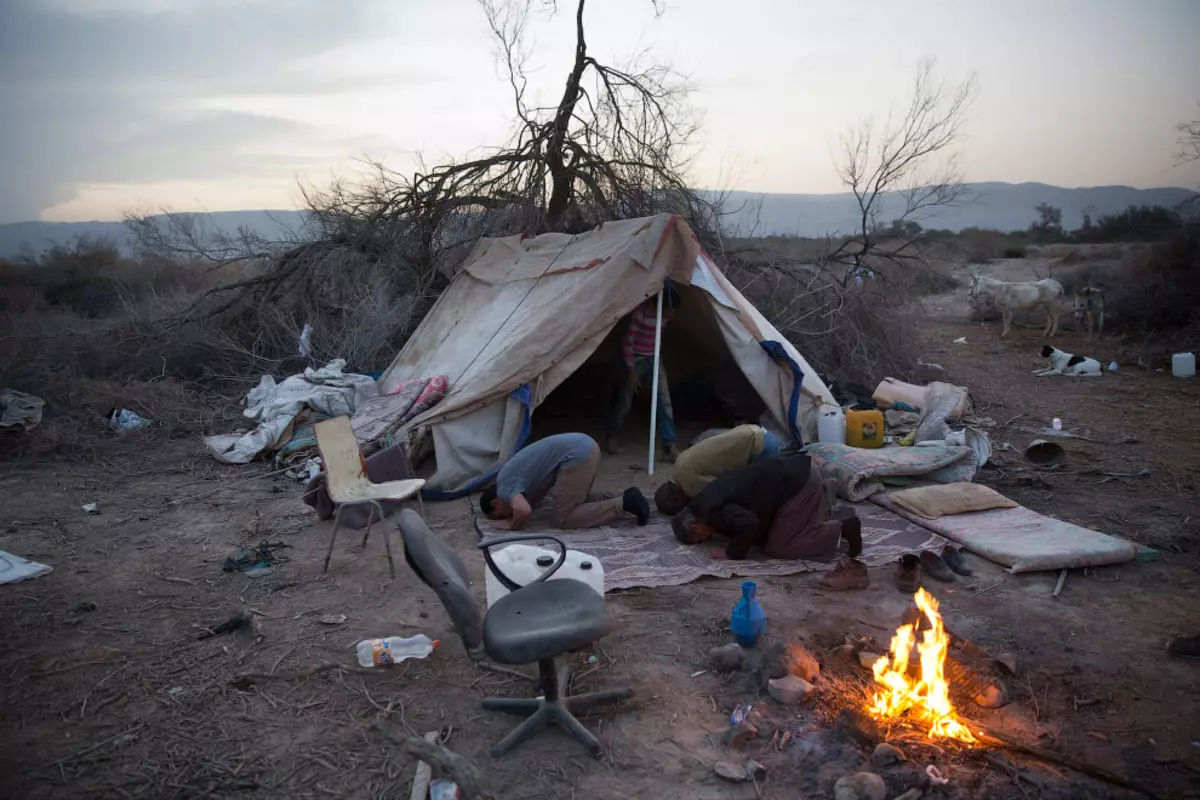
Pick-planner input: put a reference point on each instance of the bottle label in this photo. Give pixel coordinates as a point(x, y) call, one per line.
point(382, 653)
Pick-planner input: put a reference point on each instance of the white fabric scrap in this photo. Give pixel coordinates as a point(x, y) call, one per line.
point(327, 390)
point(14, 569)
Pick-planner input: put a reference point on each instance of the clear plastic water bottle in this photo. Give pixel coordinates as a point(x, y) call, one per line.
point(1056, 424)
point(394, 649)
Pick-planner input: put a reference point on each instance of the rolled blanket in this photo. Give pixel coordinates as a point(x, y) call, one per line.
point(861, 473)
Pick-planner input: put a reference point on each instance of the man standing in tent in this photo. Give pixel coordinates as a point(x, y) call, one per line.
point(566, 463)
point(637, 353)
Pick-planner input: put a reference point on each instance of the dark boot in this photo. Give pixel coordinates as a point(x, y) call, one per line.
point(611, 447)
point(908, 574)
point(634, 502)
point(669, 453)
point(935, 567)
point(955, 561)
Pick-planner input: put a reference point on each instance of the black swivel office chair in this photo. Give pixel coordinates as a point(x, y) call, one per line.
point(534, 623)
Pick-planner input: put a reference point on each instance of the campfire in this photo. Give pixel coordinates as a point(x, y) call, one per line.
point(925, 695)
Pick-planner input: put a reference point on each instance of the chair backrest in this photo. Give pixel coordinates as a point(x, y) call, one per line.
point(440, 568)
point(344, 465)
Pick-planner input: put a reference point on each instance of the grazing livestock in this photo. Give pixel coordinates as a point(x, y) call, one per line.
point(1089, 309)
point(1013, 298)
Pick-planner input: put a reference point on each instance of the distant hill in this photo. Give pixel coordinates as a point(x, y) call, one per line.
point(17, 238)
point(1003, 206)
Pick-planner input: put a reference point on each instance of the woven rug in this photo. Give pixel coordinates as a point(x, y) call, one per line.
point(651, 556)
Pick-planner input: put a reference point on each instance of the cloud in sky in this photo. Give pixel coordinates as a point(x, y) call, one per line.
point(110, 104)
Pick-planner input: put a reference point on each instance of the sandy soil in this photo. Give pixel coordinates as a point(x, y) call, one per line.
point(122, 699)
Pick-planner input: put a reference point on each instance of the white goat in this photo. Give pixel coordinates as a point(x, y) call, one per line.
point(1012, 298)
point(1089, 309)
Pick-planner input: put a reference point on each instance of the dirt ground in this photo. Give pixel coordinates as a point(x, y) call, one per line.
point(108, 692)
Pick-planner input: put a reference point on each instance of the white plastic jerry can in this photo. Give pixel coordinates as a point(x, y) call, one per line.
point(525, 563)
point(831, 424)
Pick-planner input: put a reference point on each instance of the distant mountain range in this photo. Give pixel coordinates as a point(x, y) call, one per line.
point(1002, 206)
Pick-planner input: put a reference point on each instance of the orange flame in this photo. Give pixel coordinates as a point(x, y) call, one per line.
point(928, 697)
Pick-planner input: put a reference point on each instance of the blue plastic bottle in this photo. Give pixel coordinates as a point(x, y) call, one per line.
point(748, 620)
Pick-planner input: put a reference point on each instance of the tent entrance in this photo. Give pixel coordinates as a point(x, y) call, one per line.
point(707, 387)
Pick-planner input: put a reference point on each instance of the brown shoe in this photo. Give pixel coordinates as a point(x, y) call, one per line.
point(848, 575)
point(908, 573)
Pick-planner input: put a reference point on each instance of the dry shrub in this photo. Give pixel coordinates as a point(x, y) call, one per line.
point(1159, 286)
point(850, 332)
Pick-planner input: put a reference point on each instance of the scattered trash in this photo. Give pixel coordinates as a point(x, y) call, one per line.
point(935, 777)
point(698, 673)
point(860, 786)
point(960, 340)
point(727, 657)
point(593, 660)
point(740, 713)
point(1140, 473)
point(1042, 453)
point(1112, 367)
point(755, 771)
point(332, 619)
point(394, 649)
point(930, 365)
point(91, 508)
point(1056, 424)
point(885, 755)
point(122, 419)
point(305, 348)
point(444, 790)
point(18, 409)
point(942, 401)
point(14, 569)
point(789, 690)
point(255, 559)
point(748, 621)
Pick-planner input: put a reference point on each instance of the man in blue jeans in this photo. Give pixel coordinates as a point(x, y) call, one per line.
point(637, 354)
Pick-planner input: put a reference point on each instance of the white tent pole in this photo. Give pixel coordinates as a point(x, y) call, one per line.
point(654, 380)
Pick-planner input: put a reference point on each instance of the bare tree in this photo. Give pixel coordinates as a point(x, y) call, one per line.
point(909, 161)
point(1189, 142)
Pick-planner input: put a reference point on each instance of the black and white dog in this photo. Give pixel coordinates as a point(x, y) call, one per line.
point(1068, 364)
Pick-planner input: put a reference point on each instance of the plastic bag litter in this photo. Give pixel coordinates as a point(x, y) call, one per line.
point(940, 401)
point(122, 419)
point(305, 348)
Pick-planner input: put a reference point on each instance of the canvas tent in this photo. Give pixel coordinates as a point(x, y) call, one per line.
point(523, 314)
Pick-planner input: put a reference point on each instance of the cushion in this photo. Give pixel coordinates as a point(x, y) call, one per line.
point(931, 502)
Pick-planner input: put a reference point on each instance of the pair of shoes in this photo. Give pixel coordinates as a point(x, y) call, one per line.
point(1184, 646)
point(849, 574)
point(908, 574)
point(954, 560)
point(935, 567)
point(634, 502)
point(611, 447)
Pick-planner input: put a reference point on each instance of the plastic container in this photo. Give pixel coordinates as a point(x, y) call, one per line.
point(525, 563)
point(394, 649)
point(1183, 365)
point(864, 428)
point(831, 425)
point(748, 621)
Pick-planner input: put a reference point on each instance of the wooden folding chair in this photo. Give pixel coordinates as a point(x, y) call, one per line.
point(347, 482)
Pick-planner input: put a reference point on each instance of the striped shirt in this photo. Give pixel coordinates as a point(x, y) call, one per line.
point(639, 336)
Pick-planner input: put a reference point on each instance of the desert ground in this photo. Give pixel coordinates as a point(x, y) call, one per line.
point(109, 691)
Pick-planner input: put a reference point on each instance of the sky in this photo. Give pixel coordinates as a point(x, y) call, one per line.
point(112, 106)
